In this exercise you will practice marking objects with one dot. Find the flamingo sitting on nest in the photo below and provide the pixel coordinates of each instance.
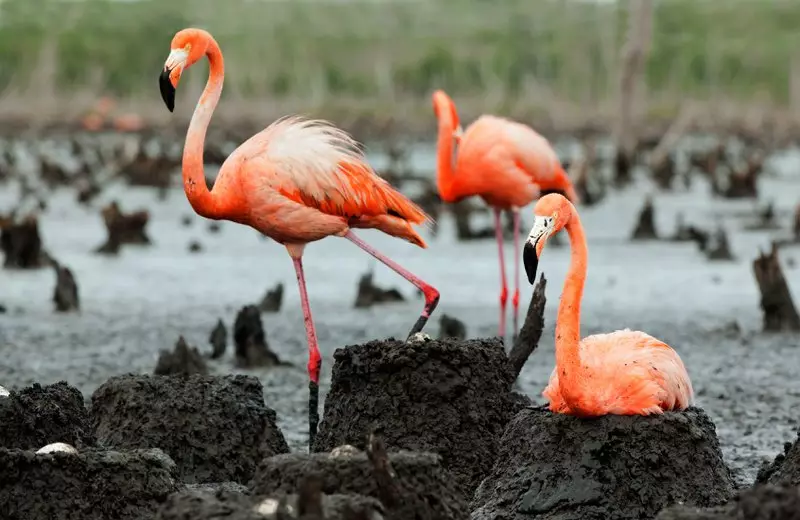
(297, 181)
(624, 372)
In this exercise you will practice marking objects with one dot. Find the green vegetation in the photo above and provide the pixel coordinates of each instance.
(504, 52)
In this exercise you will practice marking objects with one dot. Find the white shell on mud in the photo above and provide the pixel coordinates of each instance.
(4, 392)
(270, 507)
(345, 450)
(419, 337)
(57, 447)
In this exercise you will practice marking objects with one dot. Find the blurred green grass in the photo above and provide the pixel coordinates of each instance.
(502, 53)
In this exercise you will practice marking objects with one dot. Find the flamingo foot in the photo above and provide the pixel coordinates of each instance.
(431, 301)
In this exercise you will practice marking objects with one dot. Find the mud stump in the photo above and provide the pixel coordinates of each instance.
(250, 342)
(182, 361)
(91, 485)
(123, 228)
(531, 331)
(796, 225)
(424, 488)
(556, 466)
(218, 340)
(215, 428)
(21, 244)
(65, 294)
(369, 294)
(445, 396)
(39, 415)
(646, 227)
(450, 327)
(764, 502)
(271, 302)
(784, 468)
(776, 299)
(718, 247)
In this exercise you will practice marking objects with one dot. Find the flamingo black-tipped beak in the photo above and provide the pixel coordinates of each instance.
(167, 89)
(531, 261)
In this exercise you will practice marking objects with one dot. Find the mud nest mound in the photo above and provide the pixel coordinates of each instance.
(216, 429)
(422, 488)
(39, 415)
(88, 485)
(446, 396)
(763, 502)
(785, 467)
(230, 505)
(555, 466)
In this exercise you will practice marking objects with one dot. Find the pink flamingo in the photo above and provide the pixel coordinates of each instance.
(625, 372)
(297, 181)
(506, 164)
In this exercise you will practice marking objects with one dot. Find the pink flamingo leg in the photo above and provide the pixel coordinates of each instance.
(515, 298)
(498, 227)
(314, 358)
(431, 294)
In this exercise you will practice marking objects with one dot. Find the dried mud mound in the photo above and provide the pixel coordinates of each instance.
(39, 415)
(200, 505)
(424, 490)
(447, 397)
(785, 467)
(91, 485)
(216, 429)
(558, 467)
(763, 502)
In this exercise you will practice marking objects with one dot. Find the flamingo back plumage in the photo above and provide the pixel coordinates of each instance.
(321, 167)
(625, 373)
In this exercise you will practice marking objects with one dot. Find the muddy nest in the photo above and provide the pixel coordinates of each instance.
(88, 485)
(215, 428)
(763, 502)
(423, 489)
(555, 466)
(447, 397)
(39, 415)
(785, 467)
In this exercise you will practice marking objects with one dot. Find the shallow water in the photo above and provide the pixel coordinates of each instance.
(140, 302)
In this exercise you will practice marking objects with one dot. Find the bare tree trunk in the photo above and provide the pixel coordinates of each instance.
(776, 301)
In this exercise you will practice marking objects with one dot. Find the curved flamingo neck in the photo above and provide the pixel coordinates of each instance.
(445, 176)
(194, 180)
(568, 323)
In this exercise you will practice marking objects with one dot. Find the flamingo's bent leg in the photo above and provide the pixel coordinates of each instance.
(314, 358)
(431, 294)
(498, 229)
(515, 298)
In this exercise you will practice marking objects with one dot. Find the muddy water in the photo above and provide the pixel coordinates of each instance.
(139, 302)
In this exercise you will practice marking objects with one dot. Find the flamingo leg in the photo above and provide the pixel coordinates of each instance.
(314, 358)
(431, 294)
(515, 298)
(498, 226)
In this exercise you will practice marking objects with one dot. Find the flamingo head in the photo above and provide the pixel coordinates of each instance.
(188, 46)
(551, 213)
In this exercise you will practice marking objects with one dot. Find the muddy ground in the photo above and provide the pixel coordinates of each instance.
(137, 303)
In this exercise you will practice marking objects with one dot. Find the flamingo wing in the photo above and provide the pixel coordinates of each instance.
(533, 153)
(320, 166)
(628, 372)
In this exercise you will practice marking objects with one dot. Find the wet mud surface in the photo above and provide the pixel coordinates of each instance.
(140, 302)
(558, 467)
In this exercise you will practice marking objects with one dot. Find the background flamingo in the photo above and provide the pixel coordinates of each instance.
(297, 181)
(506, 164)
(624, 372)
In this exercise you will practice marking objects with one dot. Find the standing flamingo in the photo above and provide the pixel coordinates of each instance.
(505, 163)
(296, 181)
(625, 372)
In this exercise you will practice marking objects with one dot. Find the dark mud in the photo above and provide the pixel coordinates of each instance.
(216, 429)
(558, 467)
(424, 489)
(763, 502)
(39, 415)
(90, 485)
(785, 468)
(447, 397)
